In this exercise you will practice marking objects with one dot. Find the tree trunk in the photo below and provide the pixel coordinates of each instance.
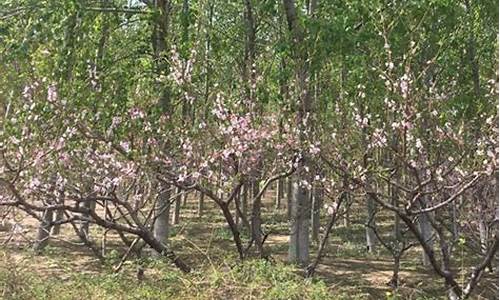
(317, 200)
(42, 236)
(249, 70)
(59, 214)
(244, 201)
(177, 208)
(237, 208)
(397, 222)
(333, 218)
(201, 204)
(298, 249)
(394, 283)
(289, 198)
(85, 225)
(184, 199)
(256, 221)
(483, 234)
(454, 220)
(279, 193)
(346, 212)
(232, 226)
(161, 225)
(371, 237)
(426, 231)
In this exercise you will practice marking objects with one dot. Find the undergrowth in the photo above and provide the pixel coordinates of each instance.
(252, 279)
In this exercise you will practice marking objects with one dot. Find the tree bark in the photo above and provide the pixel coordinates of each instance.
(201, 204)
(279, 193)
(256, 221)
(394, 283)
(59, 214)
(244, 201)
(161, 225)
(232, 226)
(85, 225)
(42, 236)
(184, 199)
(425, 227)
(426, 231)
(333, 218)
(317, 201)
(289, 198)
(298, 249)
(250, 69)
(346, 213)
(177, 207)
(370, 234)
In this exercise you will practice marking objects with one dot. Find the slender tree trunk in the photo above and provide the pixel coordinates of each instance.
(244, 201)
(59, 214)
(317, 200)
(161, 248)
(256, 221)
(425, 227)
(333, 218)
(397, 222)
(454, 220)
(394, 283)
(371, 237)
(471, 52)
(177, 208)
(483, 234)
(250, 71)
(237, 209)
(161, 29)
(426, 231)
(289, 198)
(104, 239)
(207, 66)
(43, 234)
(161, 225)
(279, 193)
(85, 225)
(184, 199)
(298, 250)
(455, 290)
(347, 211)
(232, 226)
(370, 234)
(201, 204)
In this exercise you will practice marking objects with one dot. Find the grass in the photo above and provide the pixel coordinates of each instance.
(252, 279)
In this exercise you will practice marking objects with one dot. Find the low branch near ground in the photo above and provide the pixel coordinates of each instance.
(311, 269)
(138, 229)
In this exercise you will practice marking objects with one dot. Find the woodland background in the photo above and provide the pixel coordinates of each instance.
(209, 149)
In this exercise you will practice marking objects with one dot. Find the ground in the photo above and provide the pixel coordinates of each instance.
(67, 270)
